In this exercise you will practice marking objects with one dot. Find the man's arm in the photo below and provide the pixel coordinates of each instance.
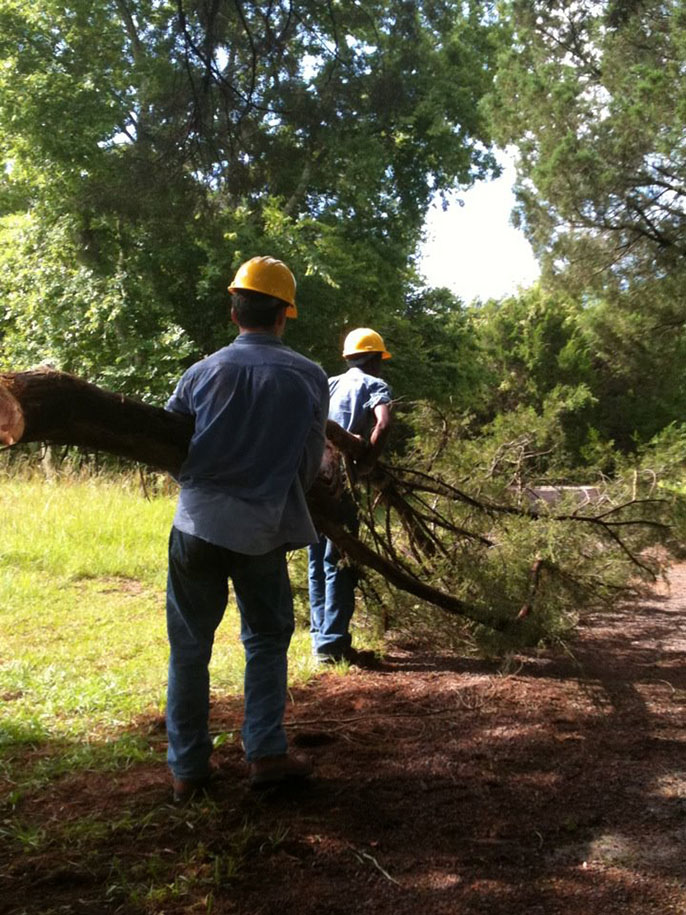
(179, 401)
(377, 438)
(316, 439)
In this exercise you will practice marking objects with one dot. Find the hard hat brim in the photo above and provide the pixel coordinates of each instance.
(361, 352)
(291, 308)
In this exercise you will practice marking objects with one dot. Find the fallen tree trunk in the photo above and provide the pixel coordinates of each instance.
(48, 406)
(60, 409)
(56, 408)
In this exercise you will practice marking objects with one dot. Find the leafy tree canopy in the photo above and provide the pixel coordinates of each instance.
(150, 146)
(594, 95)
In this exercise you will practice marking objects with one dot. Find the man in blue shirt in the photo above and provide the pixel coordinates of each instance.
(360, 402)
(260, 412)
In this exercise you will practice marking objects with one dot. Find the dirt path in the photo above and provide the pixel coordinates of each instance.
(443, 786)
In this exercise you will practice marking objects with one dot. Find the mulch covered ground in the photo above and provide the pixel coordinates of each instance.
(554, 786)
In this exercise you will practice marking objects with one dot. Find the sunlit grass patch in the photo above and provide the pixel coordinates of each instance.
(78, 658)
(84, 528)
(83, 646)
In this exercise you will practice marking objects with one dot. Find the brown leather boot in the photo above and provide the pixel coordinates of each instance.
(185, 789)
(273, 770)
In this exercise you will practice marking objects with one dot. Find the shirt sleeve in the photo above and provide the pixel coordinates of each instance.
(316, 437)
(180, 401)
(378, 392)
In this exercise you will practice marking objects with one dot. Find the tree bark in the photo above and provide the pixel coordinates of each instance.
(54, 407)
(57, 408)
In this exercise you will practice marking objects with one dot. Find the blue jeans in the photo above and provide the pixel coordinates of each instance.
(197, 595)
(332, 591)
(332, 600)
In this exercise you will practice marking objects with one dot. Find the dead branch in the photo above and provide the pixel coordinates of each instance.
(534, 577)
(360, 553)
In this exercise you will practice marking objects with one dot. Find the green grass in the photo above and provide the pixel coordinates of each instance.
(83, 648)
(82, 643)
(83, 670)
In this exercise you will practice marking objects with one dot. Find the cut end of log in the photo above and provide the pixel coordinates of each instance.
(11, 419)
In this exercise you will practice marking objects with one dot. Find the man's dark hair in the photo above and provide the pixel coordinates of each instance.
(365, 361)
(255, 309)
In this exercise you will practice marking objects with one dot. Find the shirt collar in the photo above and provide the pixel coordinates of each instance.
(257, 338)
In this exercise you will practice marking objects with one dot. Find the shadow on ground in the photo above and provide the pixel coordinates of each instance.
(443, 786)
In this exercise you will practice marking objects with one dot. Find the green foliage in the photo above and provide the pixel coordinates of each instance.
(665, 453)
(660, 465)
(611, 376)
(200, 135)
(595, 103)
(638, 353)
(436, 355)
(541, 384)
(60, 311)
(526, 567)
(594, 95)
(532, 343)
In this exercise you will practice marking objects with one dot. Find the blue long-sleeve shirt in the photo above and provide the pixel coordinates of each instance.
(260, 413)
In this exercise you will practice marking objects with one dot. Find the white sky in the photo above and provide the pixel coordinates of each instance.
(473, 249)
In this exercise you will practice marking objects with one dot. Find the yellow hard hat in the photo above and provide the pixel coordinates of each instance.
(364, 340)
(270, 276)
